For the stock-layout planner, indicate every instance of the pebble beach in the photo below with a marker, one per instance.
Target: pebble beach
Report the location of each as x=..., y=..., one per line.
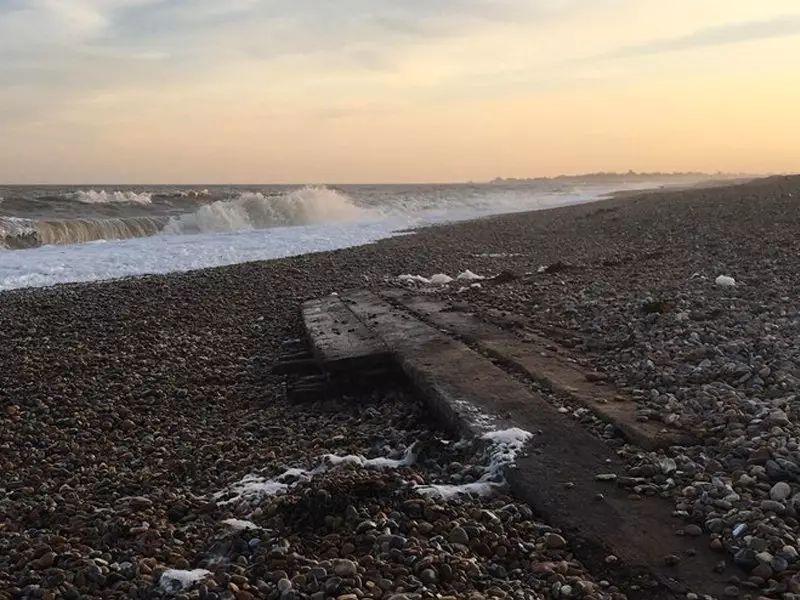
x=146, y=450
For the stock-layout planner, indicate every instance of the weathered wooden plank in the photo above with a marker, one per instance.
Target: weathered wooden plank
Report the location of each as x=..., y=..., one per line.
x=541, y=360
x=557, y=477
x=338, y=339
x=294, y=366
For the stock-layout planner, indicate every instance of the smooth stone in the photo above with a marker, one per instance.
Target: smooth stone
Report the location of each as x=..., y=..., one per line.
x=555, y=542
x=764, y=558
x=345, y=568
x=386, y=584
x=773, y=506
x=779, y=564
x=365, y=526
x=715, y=525
x=780, y=491
x=428, y=576
x=47, y=560
x=458, y=535
x=693, y=530
x=778, y=417
x=775, y=472
x=790, y=551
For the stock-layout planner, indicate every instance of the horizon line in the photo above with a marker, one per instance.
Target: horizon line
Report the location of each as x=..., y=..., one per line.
x=411, y=182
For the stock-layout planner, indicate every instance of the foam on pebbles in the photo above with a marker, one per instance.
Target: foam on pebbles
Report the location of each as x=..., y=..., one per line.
x=501, y=452
x=173, y=581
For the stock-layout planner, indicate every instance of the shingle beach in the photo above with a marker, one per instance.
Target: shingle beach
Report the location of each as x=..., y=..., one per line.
x=146, y=451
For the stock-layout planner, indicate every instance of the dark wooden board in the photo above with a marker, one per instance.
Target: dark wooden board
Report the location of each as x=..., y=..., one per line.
x=338, y=339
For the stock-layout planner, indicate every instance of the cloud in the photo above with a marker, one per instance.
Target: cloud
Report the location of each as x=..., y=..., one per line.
x=332, y=57
x=734, y=33
x=271, y=28
x=56, y=53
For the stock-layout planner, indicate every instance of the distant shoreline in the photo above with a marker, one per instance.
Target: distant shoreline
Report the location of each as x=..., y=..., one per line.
x=711, y=183
x=599, y=178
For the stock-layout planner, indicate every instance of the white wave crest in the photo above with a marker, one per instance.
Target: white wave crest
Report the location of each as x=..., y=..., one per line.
x=16, y=226
x=311, y=205
x=17, y=233
x=193, y=193
x=113, y=197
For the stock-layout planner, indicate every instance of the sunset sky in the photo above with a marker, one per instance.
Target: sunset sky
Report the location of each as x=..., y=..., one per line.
x=259, y=91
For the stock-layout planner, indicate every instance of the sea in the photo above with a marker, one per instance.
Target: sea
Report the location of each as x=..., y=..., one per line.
x=58, y=234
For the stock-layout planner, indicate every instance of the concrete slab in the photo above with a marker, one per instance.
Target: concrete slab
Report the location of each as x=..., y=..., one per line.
x=542, y=360
x=557, y=477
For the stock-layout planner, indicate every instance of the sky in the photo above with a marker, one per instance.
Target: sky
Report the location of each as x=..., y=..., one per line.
x=338, y=91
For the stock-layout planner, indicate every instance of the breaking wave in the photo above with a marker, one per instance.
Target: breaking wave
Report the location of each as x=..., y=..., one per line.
x=247, y=211
x=310, y=205
x=18, y=234
x=114, y=197
x=116, y=215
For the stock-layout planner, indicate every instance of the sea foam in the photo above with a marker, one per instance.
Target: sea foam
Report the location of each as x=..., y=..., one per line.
x=103, y=197
x=310, y=205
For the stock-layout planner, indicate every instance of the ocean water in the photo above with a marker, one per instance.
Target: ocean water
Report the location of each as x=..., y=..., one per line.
x=51, y=235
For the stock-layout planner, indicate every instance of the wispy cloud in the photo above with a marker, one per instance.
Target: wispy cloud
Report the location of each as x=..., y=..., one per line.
x=734, y=33
x=57, y=52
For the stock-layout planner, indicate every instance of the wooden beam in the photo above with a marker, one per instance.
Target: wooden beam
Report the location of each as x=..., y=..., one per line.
x=338, y=339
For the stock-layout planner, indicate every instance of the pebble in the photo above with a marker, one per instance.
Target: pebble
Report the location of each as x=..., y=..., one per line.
x=773, y=506
x=428, y=577
x=555, y=542
x=458, y=535
x=693, y=530
x=47, y=560
x=780, y=491
x=779, y=564
x=345, y=568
